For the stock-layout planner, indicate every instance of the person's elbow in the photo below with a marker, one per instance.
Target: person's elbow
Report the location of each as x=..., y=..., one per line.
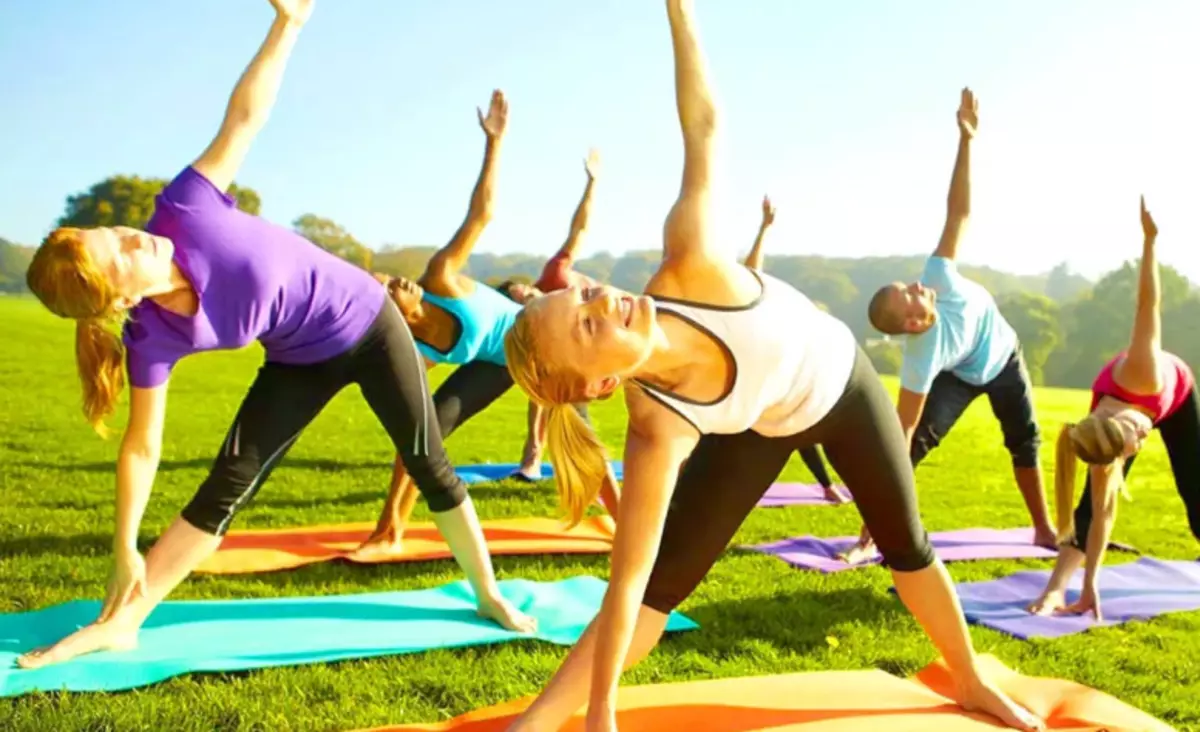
x=482, y=210
x=141, y=447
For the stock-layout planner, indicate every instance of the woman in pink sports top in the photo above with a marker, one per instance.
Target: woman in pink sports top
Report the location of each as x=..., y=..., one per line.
x=1141, y=389
x=559, y=273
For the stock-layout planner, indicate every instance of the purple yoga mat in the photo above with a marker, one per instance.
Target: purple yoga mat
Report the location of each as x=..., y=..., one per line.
x=800, y=494
x=811, y=552
x=1132, y=591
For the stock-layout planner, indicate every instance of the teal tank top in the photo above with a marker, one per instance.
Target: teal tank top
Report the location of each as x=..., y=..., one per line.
x=484, y=317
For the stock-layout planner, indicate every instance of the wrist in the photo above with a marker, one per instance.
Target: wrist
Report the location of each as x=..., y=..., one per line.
x=123, y=548
x=288, y=22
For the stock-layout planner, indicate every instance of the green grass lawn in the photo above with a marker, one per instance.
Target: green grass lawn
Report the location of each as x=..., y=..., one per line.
x=758, y=616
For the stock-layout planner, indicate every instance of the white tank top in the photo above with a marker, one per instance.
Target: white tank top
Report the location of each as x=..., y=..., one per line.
x=791, y=359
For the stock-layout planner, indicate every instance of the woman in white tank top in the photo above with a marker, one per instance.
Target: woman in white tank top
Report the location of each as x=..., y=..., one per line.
x=732, y=371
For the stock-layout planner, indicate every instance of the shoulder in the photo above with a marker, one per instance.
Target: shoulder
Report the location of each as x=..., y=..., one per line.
x=940, y=273
x=924, y=345
x=191, y=189
x=651, y=420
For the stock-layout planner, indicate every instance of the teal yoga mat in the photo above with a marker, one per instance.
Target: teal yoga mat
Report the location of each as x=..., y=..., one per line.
x=237, y=635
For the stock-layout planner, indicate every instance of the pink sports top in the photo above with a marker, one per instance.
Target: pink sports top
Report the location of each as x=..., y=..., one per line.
x=1178, y=382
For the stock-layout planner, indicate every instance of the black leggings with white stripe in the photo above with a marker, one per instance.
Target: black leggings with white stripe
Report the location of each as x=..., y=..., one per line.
x=285, y=398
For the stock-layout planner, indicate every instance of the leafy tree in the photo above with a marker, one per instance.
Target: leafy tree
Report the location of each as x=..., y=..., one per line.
x=14, y=260
x=403, y=261
x=128, y=200
x=330, y=236
x=887, y=356
x=1035, y=319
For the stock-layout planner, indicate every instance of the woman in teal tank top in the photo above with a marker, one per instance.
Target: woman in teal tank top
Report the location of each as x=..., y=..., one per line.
x=456, y=319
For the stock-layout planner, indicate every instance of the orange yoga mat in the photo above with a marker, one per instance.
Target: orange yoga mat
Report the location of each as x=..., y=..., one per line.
x=832, y=701
x=267, y=550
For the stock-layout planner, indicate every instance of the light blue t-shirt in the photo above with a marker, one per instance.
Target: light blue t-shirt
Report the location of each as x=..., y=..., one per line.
x=484, y=318
x=970, y=338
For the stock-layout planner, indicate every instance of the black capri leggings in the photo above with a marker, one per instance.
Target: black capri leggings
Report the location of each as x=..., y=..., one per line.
x=726, y=475
x=285, y=398
x=811, y=456
x=467, y=392
x=1181, y=437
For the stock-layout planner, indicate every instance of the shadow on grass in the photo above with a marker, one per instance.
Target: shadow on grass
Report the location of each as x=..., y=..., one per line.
x=73, y=545
x=110, y=466
x=796, y=621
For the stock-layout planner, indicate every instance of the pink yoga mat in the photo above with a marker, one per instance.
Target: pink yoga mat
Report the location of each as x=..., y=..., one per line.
x=801, y=494
x=811, y=552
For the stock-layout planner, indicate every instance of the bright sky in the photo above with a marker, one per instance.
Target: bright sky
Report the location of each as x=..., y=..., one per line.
x=842, y=111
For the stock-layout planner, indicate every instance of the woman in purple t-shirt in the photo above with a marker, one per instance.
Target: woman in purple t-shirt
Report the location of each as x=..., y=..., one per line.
x=205, y=276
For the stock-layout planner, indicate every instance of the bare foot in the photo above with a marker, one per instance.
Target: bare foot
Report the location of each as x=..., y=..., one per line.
x=1049, y=603
x=981, y=696
x=114, y=635
x=503, y=612
x=1045, y=537
x=860, y=552
x=384, y=544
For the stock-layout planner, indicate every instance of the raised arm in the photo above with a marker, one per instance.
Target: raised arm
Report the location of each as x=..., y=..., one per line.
x=254, y=96
x=452, y=258
x=1139, y=371
x=579, y=221
x=686, y=232
x=754, y=260
x=958, y=202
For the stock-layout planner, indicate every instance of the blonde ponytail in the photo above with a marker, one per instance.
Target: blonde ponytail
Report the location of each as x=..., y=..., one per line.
x=99, y=355
x=1064, y=483
x=576, y=453
x=578, y=458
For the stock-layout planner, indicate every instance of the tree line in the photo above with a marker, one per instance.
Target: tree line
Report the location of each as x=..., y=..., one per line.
x=1068, y=325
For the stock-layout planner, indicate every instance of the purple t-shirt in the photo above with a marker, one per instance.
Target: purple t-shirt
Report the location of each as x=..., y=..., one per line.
x=256, y=281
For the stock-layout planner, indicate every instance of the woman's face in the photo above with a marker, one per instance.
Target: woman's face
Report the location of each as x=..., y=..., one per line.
x=407, y=296
x=135, y=262
x=601, y=333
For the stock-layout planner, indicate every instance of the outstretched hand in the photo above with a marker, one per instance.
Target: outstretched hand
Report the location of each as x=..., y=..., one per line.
x=768, y=212
x=297, y=11
x=592, y=163
x=497, y=117
x=1149, y=228
x=968, y=113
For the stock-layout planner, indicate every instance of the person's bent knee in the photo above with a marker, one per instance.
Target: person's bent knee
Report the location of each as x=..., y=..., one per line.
x=923, y=443
x=1023, y=444
x=913, y=556
x=1025, y=455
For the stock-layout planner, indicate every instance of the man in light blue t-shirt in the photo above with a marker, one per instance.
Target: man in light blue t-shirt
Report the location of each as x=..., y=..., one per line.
x=958, y=346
